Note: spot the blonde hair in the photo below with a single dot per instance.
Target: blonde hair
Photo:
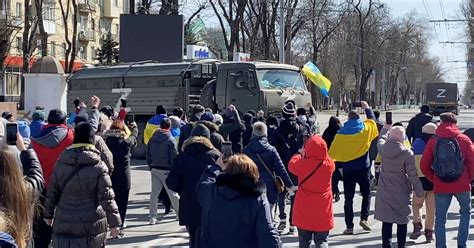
(240, 164)
(16, 198)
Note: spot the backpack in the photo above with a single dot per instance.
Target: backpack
(448, 162)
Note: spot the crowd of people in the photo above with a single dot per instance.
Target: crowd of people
(66, 180)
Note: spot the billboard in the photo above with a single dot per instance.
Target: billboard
(197, 52)
(151, 37)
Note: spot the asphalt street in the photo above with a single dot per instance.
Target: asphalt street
(167, 232)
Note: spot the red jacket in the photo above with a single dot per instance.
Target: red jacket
(54, 139)
(463, 184)
(313, 210)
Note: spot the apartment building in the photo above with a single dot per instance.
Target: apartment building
(96, 18)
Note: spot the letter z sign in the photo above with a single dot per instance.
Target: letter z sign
(441, 93)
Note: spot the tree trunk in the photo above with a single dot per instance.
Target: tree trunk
(43, 34)
(74, 36)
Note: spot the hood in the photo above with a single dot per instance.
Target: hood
(197, 144)
(114, 133)
(155, 120)
(51, 135)
(334, 123)
(83, 156)
(258, 145)
(393, 149)
(211, 126)
(316, 148)
(447, 130)
(160, 136)
(352, 127)
(234, 186)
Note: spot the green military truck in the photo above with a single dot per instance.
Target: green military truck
(442, 97)
(211, 83)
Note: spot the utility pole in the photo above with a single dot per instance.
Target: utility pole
(282, 32)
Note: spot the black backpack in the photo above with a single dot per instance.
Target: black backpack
(448, 163)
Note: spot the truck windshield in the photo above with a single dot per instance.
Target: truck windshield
(279, 79)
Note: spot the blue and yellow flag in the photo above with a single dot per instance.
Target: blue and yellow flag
(314, 75)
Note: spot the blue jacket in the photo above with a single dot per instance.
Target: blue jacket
(7, 241)
(35, 128)
(235, 212)
(271, 158)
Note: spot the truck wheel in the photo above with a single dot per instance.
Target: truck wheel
(206, 98)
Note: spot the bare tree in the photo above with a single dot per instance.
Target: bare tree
(42, 33)
(68, 9)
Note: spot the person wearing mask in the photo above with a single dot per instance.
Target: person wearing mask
(268, 162)
(198, 153)
(80, 195)
(355, 163)
(186, 130)
(247, 135)
(234, 128)
(328, 137)
(447, 162)
(106, 115)
(286, 143)
(272, 124)
(161, 152)
(397, 179)
(222, 192)
(154, 123)
(37, 123)
(416, 123)
(314, 169)
(313, 121)
(20, 183)
(304, 127)
(428, 131)
(121, 144)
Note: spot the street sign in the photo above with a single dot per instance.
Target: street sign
(122, 90)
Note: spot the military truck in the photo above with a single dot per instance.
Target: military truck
(211, 83)
(442, 97)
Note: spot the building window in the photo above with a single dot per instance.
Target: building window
(53, 49)
(93, 55)
(49, 11)
(18, 10)
(93, 25)
(64, 49)
(13, 80)
(116, 3)
(117, 29)
(19, 45)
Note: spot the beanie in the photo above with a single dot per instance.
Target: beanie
(429, 128)
(56, 116)
(218, 119)
(397, 134)
(259, 130)
(38, 116)
(7, 115)
(201, 130)
(207, 116)
(289, 109)
(24, 129)
(448, 118)
(248, 118)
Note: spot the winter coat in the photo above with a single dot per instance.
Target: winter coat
(32, 170)
(121, 147)
(186, 130)
(35, 128)
(236, 135)
(373, 152)
(397, 180)
(272, 160)
(415, 126)
(52, 141)
(286, 139)
(105, 153)
(151, 126)
(418, 148)
(86, 206)
(304, 129)
(235, 212)
(161, 150)
(313, 210)
(189, 165)
(463, 184)
(331, 131)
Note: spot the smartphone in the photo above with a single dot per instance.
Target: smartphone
(129, 119)
(226, 150)
(357, 104)
(12, 131)
(388, 118)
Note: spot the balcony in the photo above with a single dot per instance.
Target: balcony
(16, 22)
(86, 7)
(109, 9)
(86, 36)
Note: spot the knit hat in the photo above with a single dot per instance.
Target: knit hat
(448, 118)
(289, 109)
(24, 129)
(201, 130)
(218, 119)
(429, 128)
(259, 130)
(207, 116)
(38, 115)
(56, 116)
(7, 115)
(248, 118)
(397, 133)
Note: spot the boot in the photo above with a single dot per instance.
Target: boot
(417, 227)
(429, 236)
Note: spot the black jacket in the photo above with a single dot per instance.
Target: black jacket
(285, 139)
(161, 150)
(189, 165)
(236, 131)
(331, 131)
(416, 124)
(121, 148)
(32, 170)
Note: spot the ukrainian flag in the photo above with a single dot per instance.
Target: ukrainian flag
(312, 72)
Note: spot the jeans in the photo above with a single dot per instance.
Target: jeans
(442, 202)
(336, 177)
(292, 200)
(158, 181)
(351, 178)
(387, 235)
(281, 206)
(194, 236)
(320, 238)
(428, 198)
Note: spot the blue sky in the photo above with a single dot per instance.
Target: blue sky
(455, 72)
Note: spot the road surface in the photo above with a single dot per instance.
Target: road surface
(167, 232)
